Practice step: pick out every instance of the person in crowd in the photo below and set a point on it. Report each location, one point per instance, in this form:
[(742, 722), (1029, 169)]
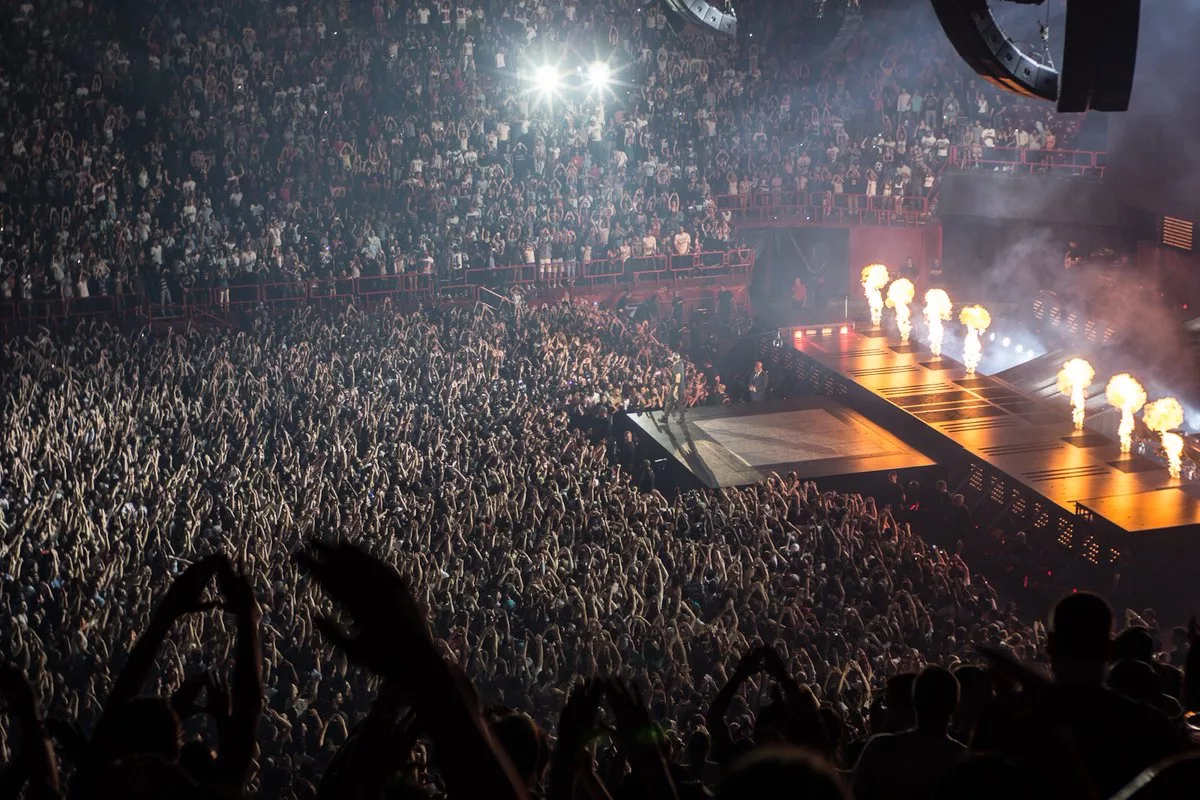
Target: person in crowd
[(914, 763)]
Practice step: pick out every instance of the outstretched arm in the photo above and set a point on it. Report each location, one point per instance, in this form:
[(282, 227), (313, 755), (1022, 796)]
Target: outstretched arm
[(369, 758), (238, 735), (182, 597), (722, 742), (393, 640), (35, 764)]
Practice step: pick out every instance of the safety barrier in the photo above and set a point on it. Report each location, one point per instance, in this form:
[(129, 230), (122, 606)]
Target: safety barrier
[(379, 291), (792, 208), (1073, 163)]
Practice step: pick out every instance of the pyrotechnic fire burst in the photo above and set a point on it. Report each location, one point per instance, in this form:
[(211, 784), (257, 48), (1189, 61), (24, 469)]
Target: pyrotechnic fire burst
[(1162, 416), (874, 278), (977, 319), (900, 296), (1073, 380), (1126, 394), (1173, 445), (938, 308)]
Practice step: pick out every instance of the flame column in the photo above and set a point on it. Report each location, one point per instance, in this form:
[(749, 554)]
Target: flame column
[(900, 296), (1125, 393), (1163, 416), (874, 278), (1073, 380), (938, 309), (976, 319)]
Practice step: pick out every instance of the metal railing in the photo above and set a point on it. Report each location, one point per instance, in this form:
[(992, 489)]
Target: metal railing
[(1072, 163), (374, 292), (770, 207)]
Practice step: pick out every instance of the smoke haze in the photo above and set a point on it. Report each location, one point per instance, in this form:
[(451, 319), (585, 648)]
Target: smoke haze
[(1154, 149)]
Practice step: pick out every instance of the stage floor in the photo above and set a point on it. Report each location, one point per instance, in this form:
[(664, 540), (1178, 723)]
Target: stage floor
[(814, 437), (1030, 440)]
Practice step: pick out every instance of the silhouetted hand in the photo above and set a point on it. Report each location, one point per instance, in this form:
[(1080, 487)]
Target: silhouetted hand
[(577, 723), (576, 727), (392, 638), (69, 737), (183, 596), (16, 690), (635, 729), (640, 739), (749, 664), (236, 589), (774, 665), (35, 763), (184, 702)]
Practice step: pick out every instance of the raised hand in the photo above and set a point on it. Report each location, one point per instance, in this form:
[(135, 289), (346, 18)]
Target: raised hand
[(641, 740), (185, 700), (16, 689), (576, 726), (749, 664), (37, 752), (577, 723), (635, 729), (392, 636), (773, 664), (393, 640), (184, 594), (235, 588)]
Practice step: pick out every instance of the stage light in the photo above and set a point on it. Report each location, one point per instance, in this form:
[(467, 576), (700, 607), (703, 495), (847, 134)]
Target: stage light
[(1006, 341), (991, 337), (599, 75), (547, 79), (1020, 348)]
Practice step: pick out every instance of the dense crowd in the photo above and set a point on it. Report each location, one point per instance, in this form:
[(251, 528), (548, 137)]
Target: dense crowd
[(478, 453), (151, 149)]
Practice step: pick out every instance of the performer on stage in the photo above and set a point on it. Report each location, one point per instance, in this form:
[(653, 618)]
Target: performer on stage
[(758, 383), (677, 386)]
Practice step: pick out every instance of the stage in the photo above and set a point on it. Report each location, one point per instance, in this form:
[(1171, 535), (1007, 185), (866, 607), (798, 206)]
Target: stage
[(1124, 515), (1029, 439), (815, 437)]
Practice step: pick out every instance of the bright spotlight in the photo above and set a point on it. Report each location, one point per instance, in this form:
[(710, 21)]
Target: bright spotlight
[(599, 75), (991, 337), (1020, 348), (1006, 341), (547, 79)]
